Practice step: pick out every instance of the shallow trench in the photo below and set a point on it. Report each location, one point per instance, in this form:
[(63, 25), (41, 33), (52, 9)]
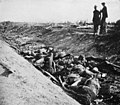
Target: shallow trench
[(109, 93)]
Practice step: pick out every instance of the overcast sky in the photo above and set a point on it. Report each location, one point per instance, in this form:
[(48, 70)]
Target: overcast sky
[(55, 10)]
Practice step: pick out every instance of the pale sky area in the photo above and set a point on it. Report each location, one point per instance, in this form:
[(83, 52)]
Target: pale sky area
[(55, 10)]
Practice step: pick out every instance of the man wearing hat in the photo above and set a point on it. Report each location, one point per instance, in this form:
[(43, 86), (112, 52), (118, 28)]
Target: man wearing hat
[(103, 20)]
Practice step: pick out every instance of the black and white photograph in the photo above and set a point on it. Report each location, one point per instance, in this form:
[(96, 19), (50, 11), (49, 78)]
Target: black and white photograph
[(59, 52)]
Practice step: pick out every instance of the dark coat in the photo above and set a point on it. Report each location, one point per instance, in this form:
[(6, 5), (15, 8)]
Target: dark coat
[(96, 17), (104, 12)]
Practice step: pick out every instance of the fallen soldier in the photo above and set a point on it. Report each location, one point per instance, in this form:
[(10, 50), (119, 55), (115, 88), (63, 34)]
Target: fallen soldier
[(85, 92)]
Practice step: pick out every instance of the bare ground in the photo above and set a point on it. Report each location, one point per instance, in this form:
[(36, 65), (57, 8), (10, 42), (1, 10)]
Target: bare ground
[(22, 84)]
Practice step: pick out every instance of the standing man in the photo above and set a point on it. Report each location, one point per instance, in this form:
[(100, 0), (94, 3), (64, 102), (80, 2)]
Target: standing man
[(103, 20), (96, 19)]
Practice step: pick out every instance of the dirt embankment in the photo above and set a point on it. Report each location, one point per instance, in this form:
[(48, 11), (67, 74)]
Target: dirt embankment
[(72, 40), (22, 84)]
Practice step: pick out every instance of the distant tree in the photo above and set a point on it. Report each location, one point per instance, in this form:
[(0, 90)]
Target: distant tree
[(83, 23)]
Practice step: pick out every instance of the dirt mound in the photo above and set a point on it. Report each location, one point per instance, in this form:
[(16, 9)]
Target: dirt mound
[(21, 83), (72, 40)]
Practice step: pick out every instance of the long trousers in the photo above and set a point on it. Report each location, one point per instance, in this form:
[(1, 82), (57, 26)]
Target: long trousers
[(95, 28), (103, 26)]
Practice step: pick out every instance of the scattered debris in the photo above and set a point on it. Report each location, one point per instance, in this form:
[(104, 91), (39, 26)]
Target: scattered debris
[(83, 78)]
